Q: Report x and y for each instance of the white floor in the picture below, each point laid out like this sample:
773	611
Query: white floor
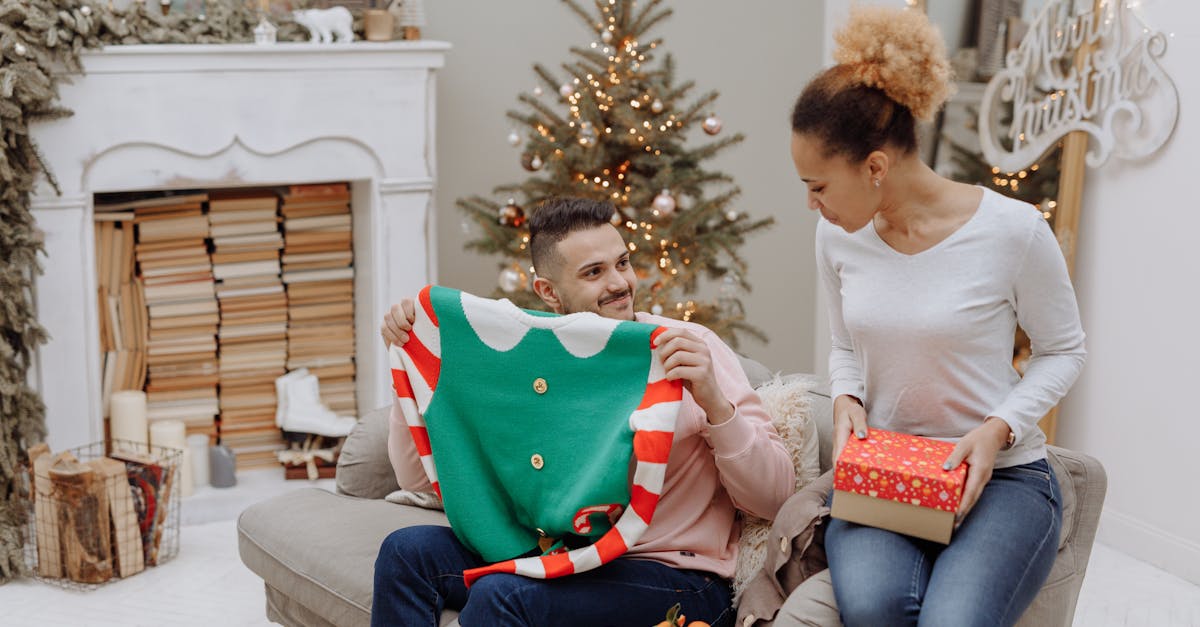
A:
207	584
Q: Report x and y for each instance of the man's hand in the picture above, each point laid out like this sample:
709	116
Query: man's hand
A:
397	323
978	448
848	417
686	357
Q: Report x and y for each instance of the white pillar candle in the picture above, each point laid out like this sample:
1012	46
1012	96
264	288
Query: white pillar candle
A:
127	414
173	434
197	445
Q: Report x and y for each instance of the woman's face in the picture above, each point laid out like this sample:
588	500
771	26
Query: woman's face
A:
842	191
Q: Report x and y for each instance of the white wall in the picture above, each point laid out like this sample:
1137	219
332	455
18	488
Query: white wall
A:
1137	274
758	57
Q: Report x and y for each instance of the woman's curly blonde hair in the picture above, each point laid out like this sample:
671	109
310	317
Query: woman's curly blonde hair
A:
900	52
892	70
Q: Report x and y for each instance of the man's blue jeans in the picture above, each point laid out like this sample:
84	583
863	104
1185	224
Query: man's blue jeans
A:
990	572
419	572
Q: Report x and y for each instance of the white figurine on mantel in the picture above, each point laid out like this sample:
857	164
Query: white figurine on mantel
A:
323	24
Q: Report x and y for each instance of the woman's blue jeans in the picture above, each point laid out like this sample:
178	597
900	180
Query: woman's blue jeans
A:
996	562
419	572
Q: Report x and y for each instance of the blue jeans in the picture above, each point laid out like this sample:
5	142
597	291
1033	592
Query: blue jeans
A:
996	562
419	572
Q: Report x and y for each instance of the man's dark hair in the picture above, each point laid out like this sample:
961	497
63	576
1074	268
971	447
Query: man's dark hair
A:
557	218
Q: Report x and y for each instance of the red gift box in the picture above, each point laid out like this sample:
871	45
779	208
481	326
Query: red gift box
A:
895	481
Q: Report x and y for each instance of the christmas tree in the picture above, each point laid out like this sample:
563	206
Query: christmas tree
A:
614	125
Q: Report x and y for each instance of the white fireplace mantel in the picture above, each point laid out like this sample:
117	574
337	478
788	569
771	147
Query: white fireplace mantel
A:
153	117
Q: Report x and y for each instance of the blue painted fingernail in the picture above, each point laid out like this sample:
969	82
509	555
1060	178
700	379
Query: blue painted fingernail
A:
946	466
862	435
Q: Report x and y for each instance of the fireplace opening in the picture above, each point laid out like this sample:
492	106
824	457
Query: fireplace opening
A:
207	296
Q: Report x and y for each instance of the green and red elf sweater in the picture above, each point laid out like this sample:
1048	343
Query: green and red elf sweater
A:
526	423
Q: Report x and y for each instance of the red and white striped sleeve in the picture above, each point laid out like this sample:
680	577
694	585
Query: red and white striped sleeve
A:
415	370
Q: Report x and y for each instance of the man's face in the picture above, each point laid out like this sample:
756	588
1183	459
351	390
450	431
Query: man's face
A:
594	274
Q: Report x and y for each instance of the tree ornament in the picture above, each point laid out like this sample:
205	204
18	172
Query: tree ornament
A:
20	49
514	137
511	214
712	124
656	309
85	9
512	280
656	106
531	162
606	36
732	215
537	91
616	218
587	135
566	90
664	202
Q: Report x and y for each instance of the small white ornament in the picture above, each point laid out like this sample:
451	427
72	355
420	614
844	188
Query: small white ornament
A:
587	135
85	9
712	124
664	202
514	138
616	218
512	280
566	90
20	49
732	215
656	106
537	91
536	162
656	310
606	36
265	32
324	24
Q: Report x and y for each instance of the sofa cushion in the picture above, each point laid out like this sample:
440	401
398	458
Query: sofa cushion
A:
320	548
363	469
788	402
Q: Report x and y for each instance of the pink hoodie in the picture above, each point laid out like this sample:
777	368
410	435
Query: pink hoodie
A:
712	470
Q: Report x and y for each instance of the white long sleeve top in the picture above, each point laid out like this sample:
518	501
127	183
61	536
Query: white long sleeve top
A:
926	340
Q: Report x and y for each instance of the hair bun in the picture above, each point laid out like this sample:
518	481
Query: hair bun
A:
899	52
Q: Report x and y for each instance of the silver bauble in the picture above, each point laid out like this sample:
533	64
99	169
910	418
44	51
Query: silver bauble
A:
664	202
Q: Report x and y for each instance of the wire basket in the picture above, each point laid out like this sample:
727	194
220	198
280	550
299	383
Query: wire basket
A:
97	516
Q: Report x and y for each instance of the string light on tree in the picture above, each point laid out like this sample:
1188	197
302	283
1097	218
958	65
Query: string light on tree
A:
537	91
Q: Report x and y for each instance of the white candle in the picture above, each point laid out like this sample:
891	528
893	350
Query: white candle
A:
197	445
127	412
172	434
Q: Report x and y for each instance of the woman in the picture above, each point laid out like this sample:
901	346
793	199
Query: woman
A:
927	279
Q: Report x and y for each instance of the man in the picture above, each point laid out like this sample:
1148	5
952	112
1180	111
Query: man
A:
726	456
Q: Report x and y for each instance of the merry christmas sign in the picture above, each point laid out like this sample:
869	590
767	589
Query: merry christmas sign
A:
1084	65
895	481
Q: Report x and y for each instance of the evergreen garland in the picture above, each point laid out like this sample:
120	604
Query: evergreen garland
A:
39	39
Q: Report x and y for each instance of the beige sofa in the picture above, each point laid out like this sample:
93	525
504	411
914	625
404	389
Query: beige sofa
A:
316	551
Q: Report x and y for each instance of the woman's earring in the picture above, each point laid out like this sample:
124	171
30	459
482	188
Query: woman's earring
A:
876	182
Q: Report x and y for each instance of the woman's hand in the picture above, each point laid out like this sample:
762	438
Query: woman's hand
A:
978	448
848	417
397	323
